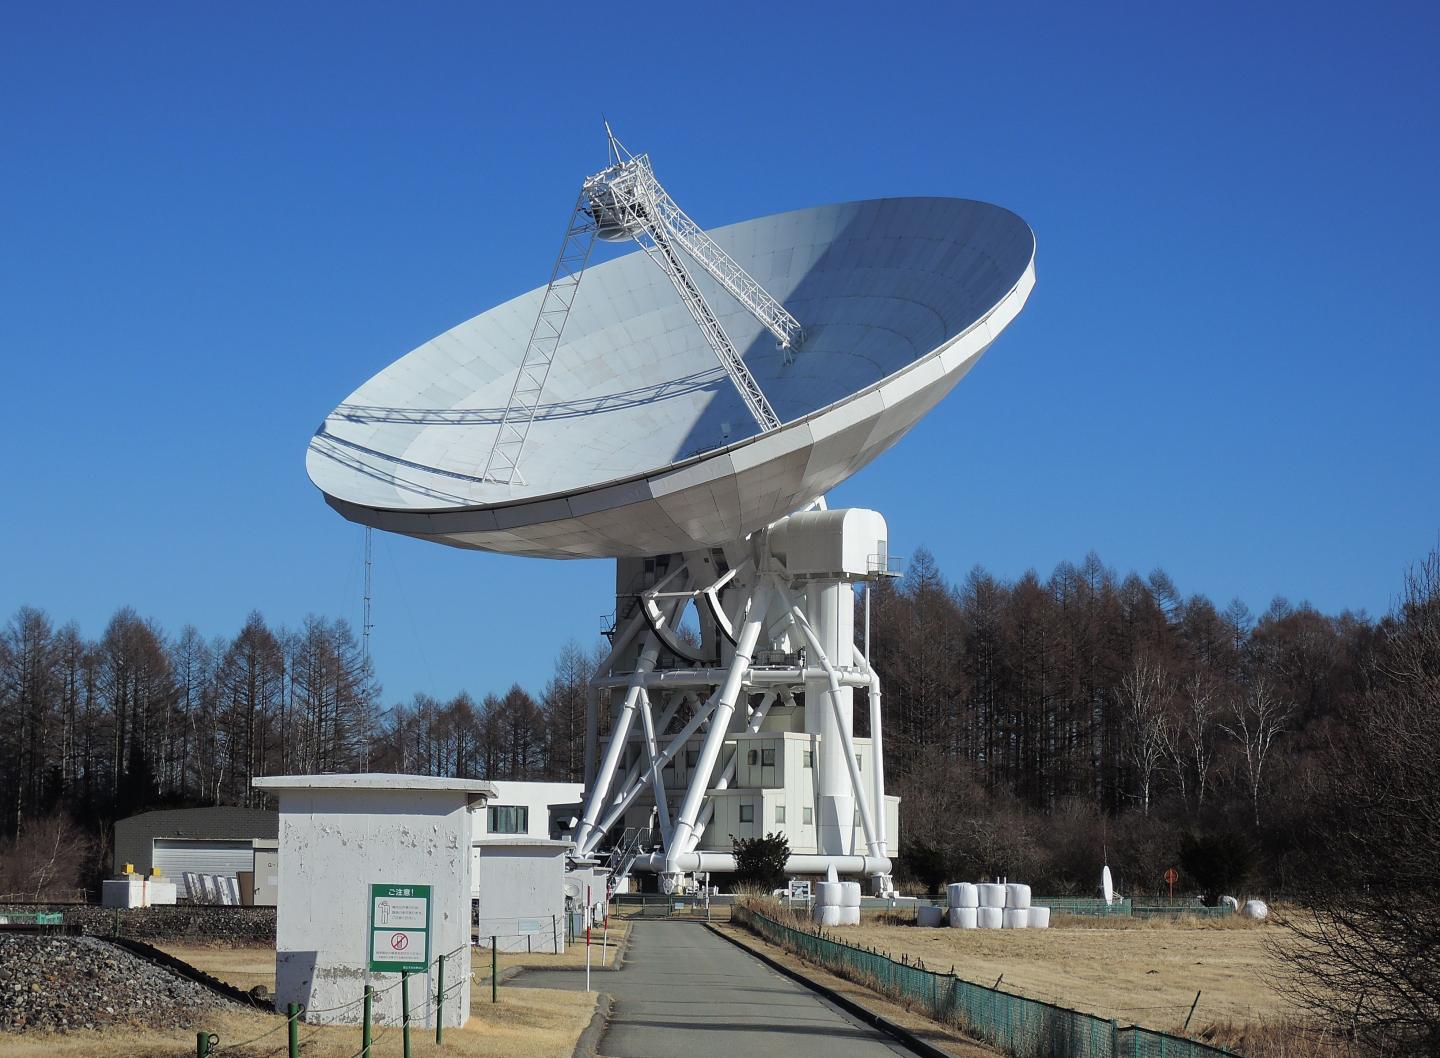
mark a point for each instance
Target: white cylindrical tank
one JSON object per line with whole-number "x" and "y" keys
{"x": 929, "y": 915}
{"x": 1039, "y": 918}
{"x": 1255, "y": 910}
{"x": 1016, "y": 917}
{"x": 850, "y": 916}
{"x": 964, "y": 917}
{"x": 963, "y": 894}
{"x": 849, "y": 894}
{"x": 828, "y": 894}
{"x": 1017, "y": 894}
{"x": 989, "y": 917}
{"x": 992, "y": 894}
{"x": 826, "y": 914}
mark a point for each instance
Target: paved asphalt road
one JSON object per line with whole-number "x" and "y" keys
{"x": 684, "y": 991}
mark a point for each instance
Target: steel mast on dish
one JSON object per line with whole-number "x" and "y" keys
{"x": 625, "y": 201}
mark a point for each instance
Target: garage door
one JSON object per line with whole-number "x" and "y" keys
{"x": 175, "y": 856}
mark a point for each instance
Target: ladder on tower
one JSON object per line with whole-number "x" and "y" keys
{"x": 503, "y": 464}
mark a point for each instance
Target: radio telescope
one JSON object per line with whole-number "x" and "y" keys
{"x": 684, "y": 410}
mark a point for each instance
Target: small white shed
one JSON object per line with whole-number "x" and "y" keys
{"x": 520, "y": 887}
{"x": 374, "y": 880}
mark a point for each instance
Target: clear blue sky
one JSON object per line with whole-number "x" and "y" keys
{"x": 217, "y": 220}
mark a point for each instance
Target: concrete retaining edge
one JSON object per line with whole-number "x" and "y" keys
{"x": 185, "y": 970}
{"x": 589, "y": 1040}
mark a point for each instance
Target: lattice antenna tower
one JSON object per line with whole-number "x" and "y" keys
{"x": 626, "y": 201}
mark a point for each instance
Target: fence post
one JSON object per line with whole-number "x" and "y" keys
{"x": 494, "y": 971}
{"x": 440, "y": 1005}
{"x": 293, "y": 1028}
{"x": 405, "y": 1010}
{"x": 365, "y": 1021}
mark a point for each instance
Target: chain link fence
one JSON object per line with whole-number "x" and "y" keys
{"x": 1027, "y": 1028}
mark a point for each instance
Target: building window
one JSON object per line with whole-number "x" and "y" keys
{"x": 508, "y": 819}
{"x": 779, "y": 813}
{"x": 747, "y": 813}
{"x": 809, "y": 758}
{"x": 767, "y": 758}
{"x": 752, "y": 757}
{"x": 807, "y": 816}
{"x": 692, "y": 758}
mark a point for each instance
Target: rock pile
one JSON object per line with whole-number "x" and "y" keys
{"x": 58, "y": 983}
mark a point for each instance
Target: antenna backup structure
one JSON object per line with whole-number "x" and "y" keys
{"x": 687, "y": 421}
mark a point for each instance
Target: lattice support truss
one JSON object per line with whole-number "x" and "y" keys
{"x": 503, "y": 464}
{"x": 693, "y": 240}
{"x": 628, "y": 201}
{"x": 657, "y": 244}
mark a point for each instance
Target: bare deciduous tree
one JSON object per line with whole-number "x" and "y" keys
{"x": 1145, "y": 693}
{"x": 1366, "y": 942}
{"x": 1256, "y": 718}
{"x": 1190, "y": 739}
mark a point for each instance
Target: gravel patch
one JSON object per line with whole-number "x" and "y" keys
{"x": 238, "y": 925}
{"x": 58, "y": 983}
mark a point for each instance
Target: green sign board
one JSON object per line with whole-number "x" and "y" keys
{"x": 399, "y": 928}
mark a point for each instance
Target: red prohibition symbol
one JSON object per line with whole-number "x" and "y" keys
{"x": 399, "y": 941}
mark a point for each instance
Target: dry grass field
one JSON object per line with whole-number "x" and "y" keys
{"x": 1145, "y": 974}
{"x": 526, "y": 1023}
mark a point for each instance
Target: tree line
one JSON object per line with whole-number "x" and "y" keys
{"x": 1079, "y": 717}
{"x": 1089, "y": 717}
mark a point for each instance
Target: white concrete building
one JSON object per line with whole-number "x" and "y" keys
{"x": 523, "y": 809}
{"x": 374, "y": 875}
{"x": 520, "y": 894}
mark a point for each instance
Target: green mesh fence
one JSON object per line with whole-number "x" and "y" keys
{"x": 1074, "y": 905}
{"x": 1027, "y": 1028}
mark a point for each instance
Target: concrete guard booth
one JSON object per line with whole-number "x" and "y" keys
{"x": 374, "y": 879}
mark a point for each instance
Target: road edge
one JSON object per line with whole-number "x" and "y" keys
{"x": 845, "y": 1003}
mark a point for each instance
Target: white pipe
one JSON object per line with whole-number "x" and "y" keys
{"x": 798, "y": 863}
{"x": 685, "y": 834}
{"x": 849, "y": 677}
{"x": 877, "y": 747}
{"x": 586, "y": 836}
{"x": 856, "y": 783}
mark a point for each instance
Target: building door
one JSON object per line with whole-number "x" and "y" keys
{"x": 175, "y": 856}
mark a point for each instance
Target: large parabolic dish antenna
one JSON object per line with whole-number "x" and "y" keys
{"x": 681, "y": 409}
{"x": 640, "y": 444}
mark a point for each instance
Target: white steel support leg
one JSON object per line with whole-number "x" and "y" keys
{"x": 637, "y": 780}
{"x": 592, "y": 693}
{"x": 877, "y": 746}
{"x": 587, "y": 836}
{"x": 757, "y": 717}
{"x": 686, "y": 836}
{"x": 862, "y": 802}
{"x": 657, "y": 781}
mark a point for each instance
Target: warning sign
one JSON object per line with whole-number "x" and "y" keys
{"x": 399, "y": 928}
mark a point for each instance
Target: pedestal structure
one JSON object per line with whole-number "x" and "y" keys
{"x": 374, "y": 876}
